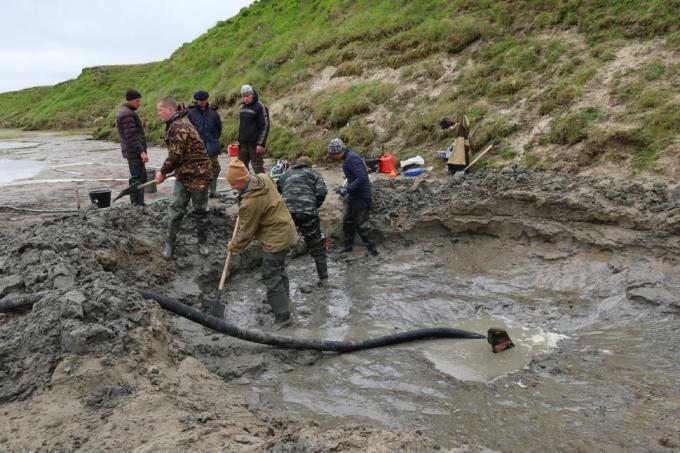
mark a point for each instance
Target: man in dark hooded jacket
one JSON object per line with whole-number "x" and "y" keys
{"x": 253, "y": 129}
{"x": 133, "y": 143}
{"x": 208, "y": 123}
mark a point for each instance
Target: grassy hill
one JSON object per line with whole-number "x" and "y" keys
{"x": 571, "y": 85}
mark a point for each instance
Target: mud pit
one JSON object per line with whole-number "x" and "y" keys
{"x": 582, "y": 272}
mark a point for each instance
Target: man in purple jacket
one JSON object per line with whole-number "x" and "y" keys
{"x": 357, "y": 194}
{"x": 133, "y": 143}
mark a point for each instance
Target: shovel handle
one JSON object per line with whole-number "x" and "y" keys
{"x": 480, "y": 155}
{"x": 227, "y": 262}
{"x": 153, "y": 181}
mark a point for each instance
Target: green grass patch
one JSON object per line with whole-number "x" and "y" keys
{"x": 334, "y": 109}
{"x": 572, "y": 128}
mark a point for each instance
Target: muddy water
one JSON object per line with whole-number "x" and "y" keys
{"x": 591, "y": 370}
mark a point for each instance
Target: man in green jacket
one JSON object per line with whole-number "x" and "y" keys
{"x": 263, "y": 215}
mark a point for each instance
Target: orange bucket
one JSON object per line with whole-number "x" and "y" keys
{"x": 232, "y": 150}
{"x": 387, "y": 163}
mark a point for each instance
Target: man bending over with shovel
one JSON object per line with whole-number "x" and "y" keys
{"x": 189, "y": 160}
{"x": 263, "y": 215}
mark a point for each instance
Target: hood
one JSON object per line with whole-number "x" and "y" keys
{"x": 182, "y": 112}
{"x": 256, "y": 188}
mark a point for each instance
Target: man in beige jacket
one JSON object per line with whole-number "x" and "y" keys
{"x": 263, "y": 215}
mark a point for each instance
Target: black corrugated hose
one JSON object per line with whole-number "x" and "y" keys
{"x": 257, "y": 336}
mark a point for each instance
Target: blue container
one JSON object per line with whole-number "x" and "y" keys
{"x": 414, "y": 172}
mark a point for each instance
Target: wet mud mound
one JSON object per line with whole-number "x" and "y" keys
{"x": 93, "y": 366}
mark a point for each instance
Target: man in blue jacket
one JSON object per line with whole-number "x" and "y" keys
{"x": 208, "y": 123}
{"x": 357, "y": 194}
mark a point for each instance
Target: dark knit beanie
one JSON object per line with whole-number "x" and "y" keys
{"x": 131, "y": 95}
{"x": 201, "y": 95}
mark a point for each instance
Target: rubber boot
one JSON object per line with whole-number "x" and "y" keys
{"x": 140, "y": 198}
{"x": 322, "y": 270}
{"x": 371, "y": 251}
{"x": 279, "y": 304}
{"x": 213, "y": 188}
{"x": 170, "y": 239}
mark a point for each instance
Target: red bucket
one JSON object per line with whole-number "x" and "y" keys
{"x": 232, "y": 150}
{"x": 387, "y": 163}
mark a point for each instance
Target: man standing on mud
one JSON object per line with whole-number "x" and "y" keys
{"x": 189, "y": 160}
{"x": 304, "y": 191}
{"x": 208, "y": 123}
{"x": 263, "y": 216}
{"x": 357, "y": 195}
{"x": 253, "y": 130}
{"x": 133, "y": 143}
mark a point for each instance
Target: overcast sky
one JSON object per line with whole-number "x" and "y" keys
{"x": 48, "y": 41}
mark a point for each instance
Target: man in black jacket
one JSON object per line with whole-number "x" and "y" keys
{"x": 253, "y": 129}
{"x": 133, "y": 143}
{"x": 208, "y": 123}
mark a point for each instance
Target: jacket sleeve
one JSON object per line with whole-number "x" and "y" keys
{"x": 357, "y": 169}
{"x": 320, "y": 189}
{"x": 262, "y": 124}
{"x": 174, "y": 158}
{"x": 132, "y": 134}
{"x": 249, "y": 221}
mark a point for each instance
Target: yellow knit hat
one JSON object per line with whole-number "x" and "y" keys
{"x": 237, "y": 173}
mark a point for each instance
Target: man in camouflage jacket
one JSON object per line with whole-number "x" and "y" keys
{"x": 189, "y": 160}
{"x": 304, "y": 191}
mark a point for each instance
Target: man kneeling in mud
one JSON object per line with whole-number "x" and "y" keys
{"x": 189, "y": 160}
{"x": 263, "y": 215}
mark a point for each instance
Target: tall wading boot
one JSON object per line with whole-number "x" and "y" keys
{"x": 279, "y": 304}
{"x": 213, "y": 188}
{"x": 321, "y": 270}
{"x": 170, "y": 238}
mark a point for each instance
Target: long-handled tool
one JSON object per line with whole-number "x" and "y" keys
{"x": 216, "y": 307}
{"x": 133, "y": 187}
{"x": 459, "y": 174}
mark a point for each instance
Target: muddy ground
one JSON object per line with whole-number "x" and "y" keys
{"x": 582, "y": 271}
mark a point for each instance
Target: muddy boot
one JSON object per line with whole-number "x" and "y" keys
{"x": 344, "y": 249}
{"x": 371, "y": 251}
{"x": 279, "y": 304}
{"x": 321, "y": 270}
{"x": 213, "y": 188}
{"x": 170, "y": 239}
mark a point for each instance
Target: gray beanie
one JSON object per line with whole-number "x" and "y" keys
{"x": 336, "y": 146}
{"x": 246, "y": 89}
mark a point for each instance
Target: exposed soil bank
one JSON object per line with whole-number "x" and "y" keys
{"x": 582, "y": 271}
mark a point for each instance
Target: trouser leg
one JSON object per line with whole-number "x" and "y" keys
{"x": 199, "y": 200}
{"x": 363, "y": 227}
{"x": 275, "y": 280}
{"x": 348, "y": 229}
{"x": 137, "y": 176}
{"x": 256, "y": 160}
{"x": 216, "y": 172}
{"x": 177, "y": 210}
{"x": 310, "y": 227}
{"x": 244, "y": 154}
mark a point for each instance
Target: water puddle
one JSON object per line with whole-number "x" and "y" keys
{"x": 473, "y": 360}
{"x": 12, "y": 170}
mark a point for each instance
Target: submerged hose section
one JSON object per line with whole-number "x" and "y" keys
{"x": 257, "y": 336}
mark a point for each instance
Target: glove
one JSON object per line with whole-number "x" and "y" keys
{"x": 342, "y": 191}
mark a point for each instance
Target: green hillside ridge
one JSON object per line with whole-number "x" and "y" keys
{"x": 566, "y": 84}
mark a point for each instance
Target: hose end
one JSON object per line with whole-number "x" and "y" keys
{"x": 499, "y": 339}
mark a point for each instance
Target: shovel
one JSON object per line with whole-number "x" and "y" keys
{"x": 132, "y": 188}
{"x": 216, "y": 307}
{"x": 459, "y": 174}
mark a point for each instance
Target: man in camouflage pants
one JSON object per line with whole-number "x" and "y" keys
{"x": 304, "y": 191}
{"x": 189, "y": 160}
